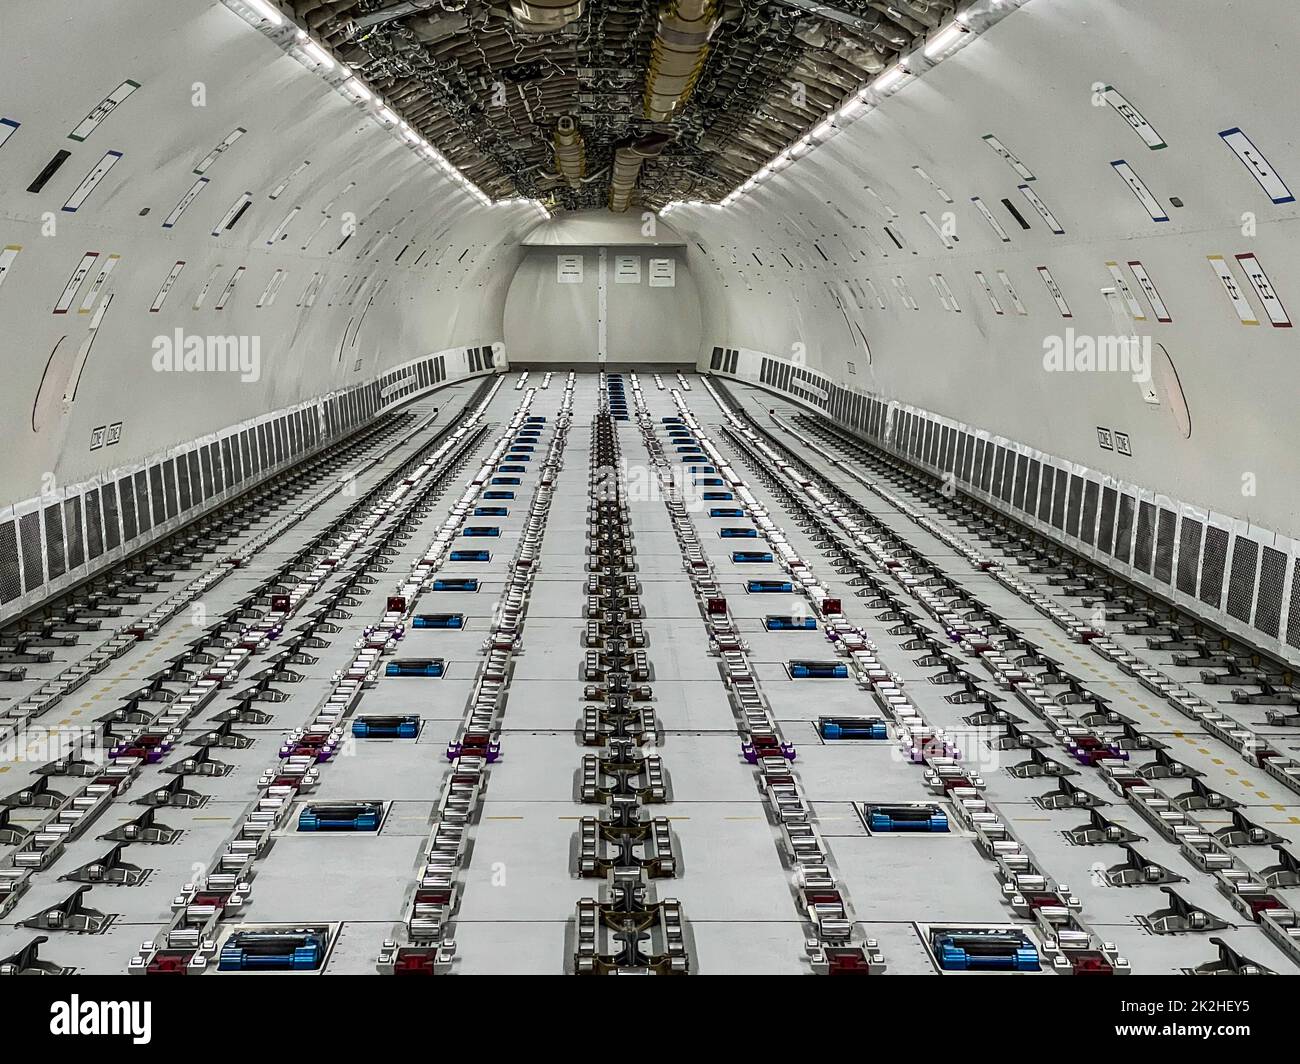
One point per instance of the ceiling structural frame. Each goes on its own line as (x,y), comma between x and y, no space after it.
(932,45)
(589,104)
(275,23)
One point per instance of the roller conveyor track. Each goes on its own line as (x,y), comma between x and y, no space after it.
(1227,833)
(615,673)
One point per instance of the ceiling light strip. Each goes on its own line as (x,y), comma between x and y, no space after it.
(943,41)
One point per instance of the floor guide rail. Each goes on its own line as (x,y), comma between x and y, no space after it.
(425,944)
(833,944)
(196,935)
(46,817)
(1076,715)
(734,693)
(122,592)
(628,929)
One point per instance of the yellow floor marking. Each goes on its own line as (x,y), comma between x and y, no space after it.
(515,818)
(1232,772)
(1217,760)
(1202,750)
(212,818)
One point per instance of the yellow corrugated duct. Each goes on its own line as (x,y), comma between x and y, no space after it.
(627,165)
(570,153)
(677,55)
(545,16)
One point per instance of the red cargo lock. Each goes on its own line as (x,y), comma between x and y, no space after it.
(396,603)
(414,962)
(717,607)
(831,607)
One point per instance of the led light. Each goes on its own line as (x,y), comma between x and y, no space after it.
(890,79)
(801,147)
(266,11)
(825,131)
(947,40)
(318,54)
(354,88)
(386,114)
(852,108)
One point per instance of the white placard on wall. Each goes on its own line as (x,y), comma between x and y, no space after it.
(627,269)
(568,269)
(663,273)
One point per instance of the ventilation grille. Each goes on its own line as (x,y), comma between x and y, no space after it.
(169,486)
(1124,529)
(1008,475)
(10,579)
(94,526)
(142,501)
(1145,537)
(1189,550)
(1033,488)
(1045,494)
(112,521)
(54,541)
(1272,577)
(1022,471)
(1059,494)
(1106,527)
(1214,562)
(1293,616)
(1074,507)
(126,489)
(196,485)
(1091,489)
(156,494)
(1164,564)
(72,522)
(29,528)
(1241,579)
(183,482)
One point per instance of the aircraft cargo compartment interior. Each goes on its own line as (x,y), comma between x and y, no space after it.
(650,487)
